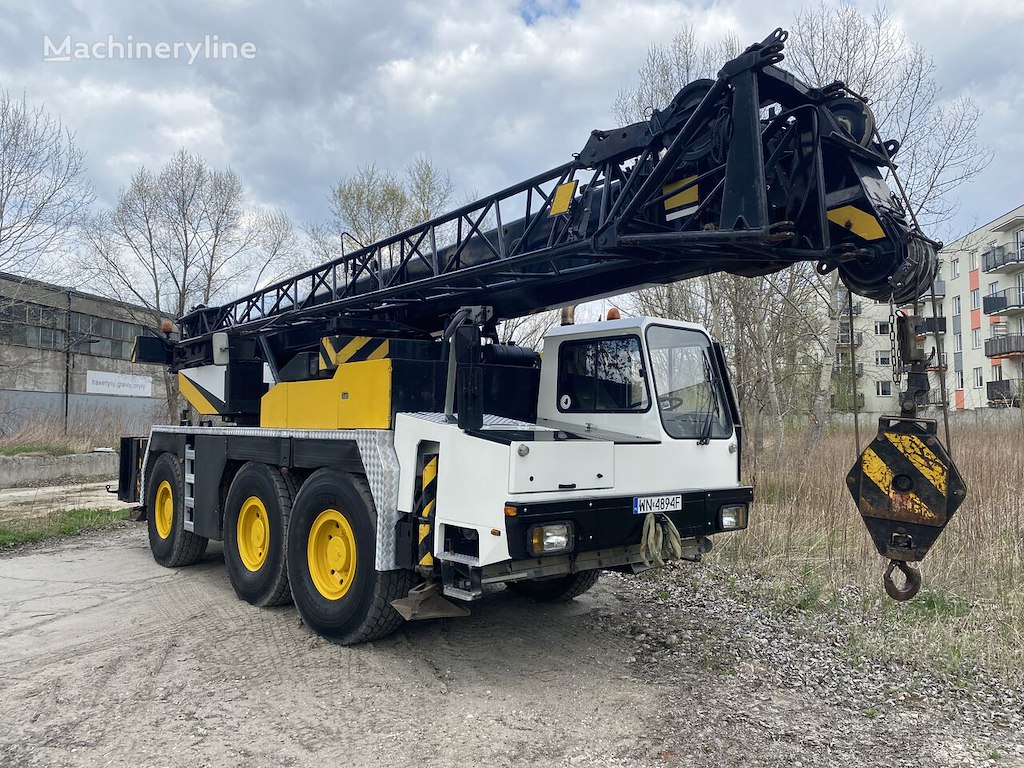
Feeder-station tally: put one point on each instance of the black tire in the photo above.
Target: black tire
(268, 584)
(362, 612)
(560, 589)
(172, 546)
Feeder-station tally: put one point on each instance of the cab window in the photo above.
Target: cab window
(602, 375)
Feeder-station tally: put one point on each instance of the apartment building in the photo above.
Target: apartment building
(980, 328)
(986, 313)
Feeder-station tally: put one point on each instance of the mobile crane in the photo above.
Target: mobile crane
(377, 454)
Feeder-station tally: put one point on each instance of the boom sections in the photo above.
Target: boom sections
(748, 173)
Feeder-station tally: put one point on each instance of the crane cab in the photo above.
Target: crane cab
(646, 377)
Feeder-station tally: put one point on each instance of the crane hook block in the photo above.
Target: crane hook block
(906, 488)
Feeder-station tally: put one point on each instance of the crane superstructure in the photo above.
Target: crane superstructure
(366, 447)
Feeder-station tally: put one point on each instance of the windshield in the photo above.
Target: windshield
(688, 389)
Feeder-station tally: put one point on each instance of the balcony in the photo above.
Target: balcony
(926, 297)
(1002, 259)
(844, 309)
(847, 339)
(1005, 346)
(843, 370)
(1004, 394)
(931, 325)
(1007, 302)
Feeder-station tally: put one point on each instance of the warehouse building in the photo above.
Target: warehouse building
(65, 360)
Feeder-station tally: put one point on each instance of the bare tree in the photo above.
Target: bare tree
(528, 330)
(369, 205)
(372, 204)
(44, 193)
(939, 145)
(181, 238)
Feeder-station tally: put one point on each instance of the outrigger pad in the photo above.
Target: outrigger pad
(906, 487)
(426, 602)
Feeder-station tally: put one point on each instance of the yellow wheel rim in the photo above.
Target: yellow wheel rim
(331, 554)
(163, 509)
(253, 533)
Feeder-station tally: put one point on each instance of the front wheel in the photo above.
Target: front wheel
(560, 589)
(332, 539)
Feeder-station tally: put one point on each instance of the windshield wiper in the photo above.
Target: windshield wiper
(705, 431)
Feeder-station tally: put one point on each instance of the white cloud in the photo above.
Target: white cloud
(493, 90)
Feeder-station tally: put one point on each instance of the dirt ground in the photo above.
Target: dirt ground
(17, 503)
(106, 659)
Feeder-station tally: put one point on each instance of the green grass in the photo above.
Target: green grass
(69, 523)
(47, 449)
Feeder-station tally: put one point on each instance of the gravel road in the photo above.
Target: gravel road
(107, 659)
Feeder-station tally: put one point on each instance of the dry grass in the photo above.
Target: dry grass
(807, 540)
(46, 435)
(65, 523)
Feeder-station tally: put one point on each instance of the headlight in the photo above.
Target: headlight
(732, 517)
(550, 539)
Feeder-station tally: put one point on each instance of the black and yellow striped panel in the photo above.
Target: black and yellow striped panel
(903, 479)
(335, 350)
(860, 223)
(427, 500)
(204, 401)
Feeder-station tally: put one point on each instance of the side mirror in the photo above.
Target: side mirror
(221, 349)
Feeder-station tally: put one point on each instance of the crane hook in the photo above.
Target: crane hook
(909, 589)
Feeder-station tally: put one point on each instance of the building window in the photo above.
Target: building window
(974, 258)
(883, 388)
(35, 325)
(954, 268)
(997, 372)
(993, 288)
(881, 327)
(958, 379)
(883, 357)
(1018, 241)
(975, 298)
(976, 338)
(956, 306)
(958, 342)
(979, 378)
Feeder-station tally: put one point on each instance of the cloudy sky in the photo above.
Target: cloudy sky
(493, 90)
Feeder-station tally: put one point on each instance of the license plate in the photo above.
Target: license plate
(644, 504)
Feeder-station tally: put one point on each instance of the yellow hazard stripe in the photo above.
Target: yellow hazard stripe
(196, 397)
(862, 224)
(327, 354)
(686, 197)
(563, 198)
(380, 352)
(350, 349)
(880, 474)
(924, 461)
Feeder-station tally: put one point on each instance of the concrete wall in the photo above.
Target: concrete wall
(29, 470)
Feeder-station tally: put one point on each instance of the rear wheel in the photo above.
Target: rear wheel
(255, 534)
(560, 589)
(332, 539)
(170, 543)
